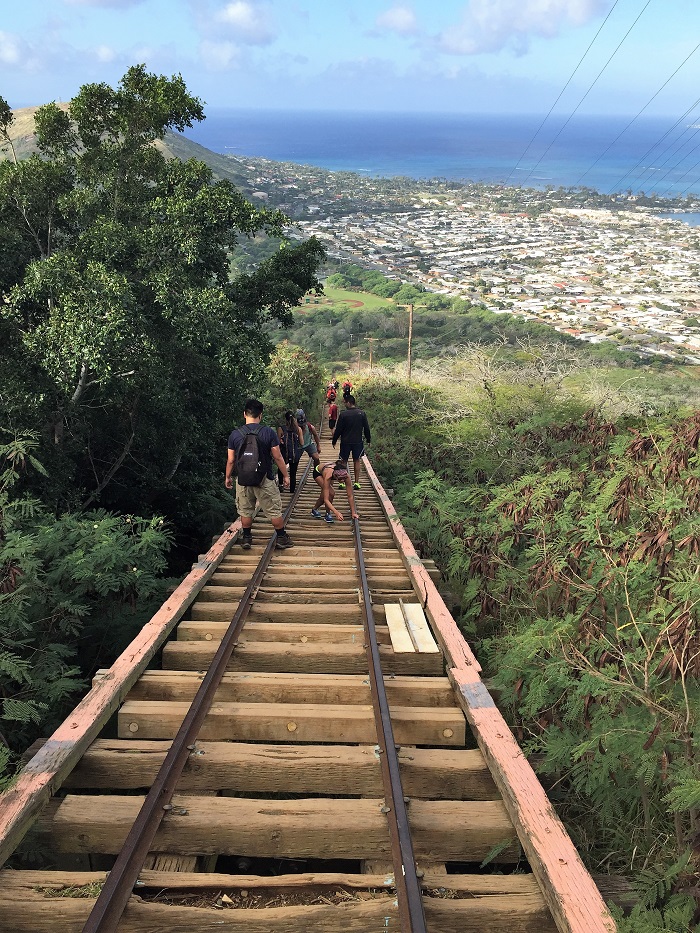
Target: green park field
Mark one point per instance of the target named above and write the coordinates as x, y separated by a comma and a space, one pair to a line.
342, 297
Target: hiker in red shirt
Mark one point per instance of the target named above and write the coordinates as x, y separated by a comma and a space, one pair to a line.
332, 415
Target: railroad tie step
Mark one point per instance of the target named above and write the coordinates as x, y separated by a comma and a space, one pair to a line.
261, 768
309, 658
340, 828
293, 722
302, 632
264, 687
499, 904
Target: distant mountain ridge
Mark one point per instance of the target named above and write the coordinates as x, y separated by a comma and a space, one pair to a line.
174, 146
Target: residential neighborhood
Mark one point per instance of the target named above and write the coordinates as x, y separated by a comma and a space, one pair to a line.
619, 273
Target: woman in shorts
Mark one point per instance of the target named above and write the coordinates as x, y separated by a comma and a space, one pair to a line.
325, 475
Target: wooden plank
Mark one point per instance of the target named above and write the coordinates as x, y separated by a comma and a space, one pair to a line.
443, 830
291, 722
474, 885
335, 581
446, 773
36, 912
224, 611
312, 658
569, 890
262, 687
418, 626
301, 632
44, 774
401, 641
304, 612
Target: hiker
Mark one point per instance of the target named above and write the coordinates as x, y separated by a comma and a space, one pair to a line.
330, 395
350, 427
291, 438
325, 476
332, 415
252, 449
311, 442
347, 389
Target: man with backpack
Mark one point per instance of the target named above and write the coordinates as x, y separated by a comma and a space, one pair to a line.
252, 448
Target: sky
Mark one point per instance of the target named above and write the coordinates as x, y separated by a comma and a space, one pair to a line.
459, 56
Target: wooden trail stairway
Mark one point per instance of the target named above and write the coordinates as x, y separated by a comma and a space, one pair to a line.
278, 823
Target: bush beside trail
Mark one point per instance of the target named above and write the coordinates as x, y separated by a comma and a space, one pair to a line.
569, 534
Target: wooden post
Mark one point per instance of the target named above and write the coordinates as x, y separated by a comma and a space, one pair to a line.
370, 340
410, 307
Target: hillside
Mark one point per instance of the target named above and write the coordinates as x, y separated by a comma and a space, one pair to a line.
175, 146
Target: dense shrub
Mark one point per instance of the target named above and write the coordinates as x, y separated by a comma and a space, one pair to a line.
571, 541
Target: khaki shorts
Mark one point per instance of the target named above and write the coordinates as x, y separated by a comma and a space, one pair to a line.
266, 495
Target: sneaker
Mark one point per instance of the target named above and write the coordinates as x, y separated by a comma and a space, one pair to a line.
247, 542
316, 513
329, 518
356, 486
284, 541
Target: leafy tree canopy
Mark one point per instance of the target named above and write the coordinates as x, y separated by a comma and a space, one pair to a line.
131, 341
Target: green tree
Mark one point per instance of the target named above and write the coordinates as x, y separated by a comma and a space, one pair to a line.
139, 339
293, 379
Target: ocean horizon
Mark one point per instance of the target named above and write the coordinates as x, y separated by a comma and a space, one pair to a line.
598, 152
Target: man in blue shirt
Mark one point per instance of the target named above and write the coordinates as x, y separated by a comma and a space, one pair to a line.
266, 494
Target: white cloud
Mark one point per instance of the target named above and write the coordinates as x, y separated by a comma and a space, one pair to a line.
247, 22
219, 56
103, 53
16, 53
400, 19
491, 25
11, 50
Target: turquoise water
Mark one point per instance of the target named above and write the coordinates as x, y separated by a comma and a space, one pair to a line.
479, 147
691, 218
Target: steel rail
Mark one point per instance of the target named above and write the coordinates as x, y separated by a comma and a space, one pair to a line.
408, 886
118, 888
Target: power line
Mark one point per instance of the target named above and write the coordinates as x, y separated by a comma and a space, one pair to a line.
649, 151
670, 156
687, 172
638, 114
676, 165
559, 96
588, 91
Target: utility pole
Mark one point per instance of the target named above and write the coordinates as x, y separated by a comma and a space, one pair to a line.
371, 340
350, 343
410, 307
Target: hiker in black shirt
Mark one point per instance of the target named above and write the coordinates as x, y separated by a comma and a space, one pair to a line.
352, 424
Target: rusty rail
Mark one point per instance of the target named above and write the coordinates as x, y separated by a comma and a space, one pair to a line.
408, 886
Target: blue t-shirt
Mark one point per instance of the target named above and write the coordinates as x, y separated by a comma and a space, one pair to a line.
267, 439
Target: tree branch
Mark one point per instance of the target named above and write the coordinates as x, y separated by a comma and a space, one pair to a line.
110, 473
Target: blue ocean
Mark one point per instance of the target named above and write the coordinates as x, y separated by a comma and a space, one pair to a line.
478, 147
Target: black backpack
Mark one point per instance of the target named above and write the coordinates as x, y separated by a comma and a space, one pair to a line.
253, 464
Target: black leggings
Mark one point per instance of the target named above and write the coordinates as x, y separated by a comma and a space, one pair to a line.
292, 468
